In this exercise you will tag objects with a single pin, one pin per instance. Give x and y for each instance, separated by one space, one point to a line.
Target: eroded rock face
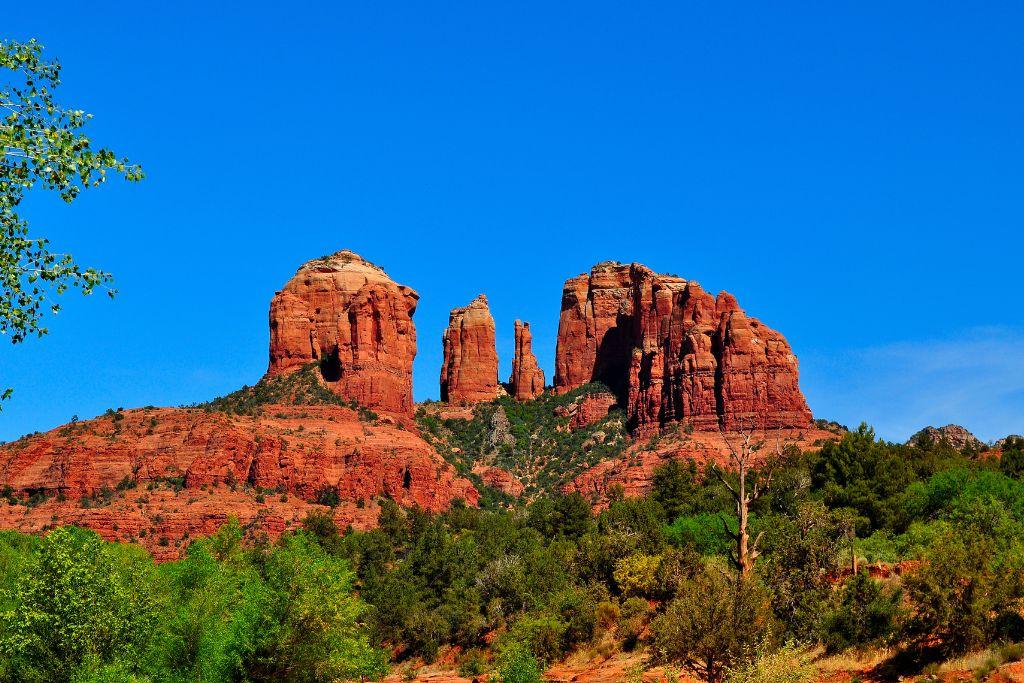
347 314
221 462
527 380
470 371
671 352
587 409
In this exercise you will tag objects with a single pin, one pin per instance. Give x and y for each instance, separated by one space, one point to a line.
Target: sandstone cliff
303 453
470 371
346 314
527 380
671 352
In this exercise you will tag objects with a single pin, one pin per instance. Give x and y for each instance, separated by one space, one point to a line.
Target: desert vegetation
914 551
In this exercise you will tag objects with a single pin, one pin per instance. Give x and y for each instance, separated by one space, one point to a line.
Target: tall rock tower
527 380
470 371
346 314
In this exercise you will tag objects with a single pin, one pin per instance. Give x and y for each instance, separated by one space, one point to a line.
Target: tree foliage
44 146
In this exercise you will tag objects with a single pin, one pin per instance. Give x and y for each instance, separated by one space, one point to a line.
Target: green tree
44 146
310 631
212 613
867 614
802 553
970 583
715 622
81 606
675 488
1011 462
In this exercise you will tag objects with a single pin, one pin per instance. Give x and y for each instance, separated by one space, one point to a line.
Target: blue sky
851 171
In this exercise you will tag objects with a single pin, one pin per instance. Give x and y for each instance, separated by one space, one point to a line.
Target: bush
635 617
714 622
966 579
328 496
788 664
543 634
637 574
867 614
519 666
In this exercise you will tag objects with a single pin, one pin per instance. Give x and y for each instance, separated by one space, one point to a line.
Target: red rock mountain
160 476
347 314
470 371
671 352
527 380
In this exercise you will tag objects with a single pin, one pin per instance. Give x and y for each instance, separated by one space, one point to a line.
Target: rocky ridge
331 424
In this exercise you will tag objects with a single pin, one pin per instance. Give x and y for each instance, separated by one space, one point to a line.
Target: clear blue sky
852 172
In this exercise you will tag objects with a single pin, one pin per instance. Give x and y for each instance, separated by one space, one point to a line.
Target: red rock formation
470 371
501 479
297 451
673 353
527 380
587 409
592 341
634 469
348 315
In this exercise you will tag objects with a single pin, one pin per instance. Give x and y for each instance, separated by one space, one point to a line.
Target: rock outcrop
954 435
346 314
1013 439
527 380
470 371
341 333
671 352
298 455
587 409
634 469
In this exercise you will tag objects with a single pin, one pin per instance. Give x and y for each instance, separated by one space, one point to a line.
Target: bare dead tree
744 453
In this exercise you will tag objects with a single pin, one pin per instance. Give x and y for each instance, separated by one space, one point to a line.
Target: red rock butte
671 352
346 314
470 370
527 380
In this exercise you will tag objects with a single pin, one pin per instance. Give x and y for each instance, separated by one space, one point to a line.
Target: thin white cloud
975 379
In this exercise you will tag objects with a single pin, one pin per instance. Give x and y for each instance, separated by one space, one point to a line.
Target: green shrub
518 665
867 614
788 664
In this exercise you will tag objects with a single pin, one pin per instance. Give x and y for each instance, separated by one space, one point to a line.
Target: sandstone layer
346 314
470 371
303 453
527 380
671 352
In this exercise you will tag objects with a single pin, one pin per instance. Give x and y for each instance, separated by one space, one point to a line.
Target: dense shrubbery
78 609
527 438
517 589
303 387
